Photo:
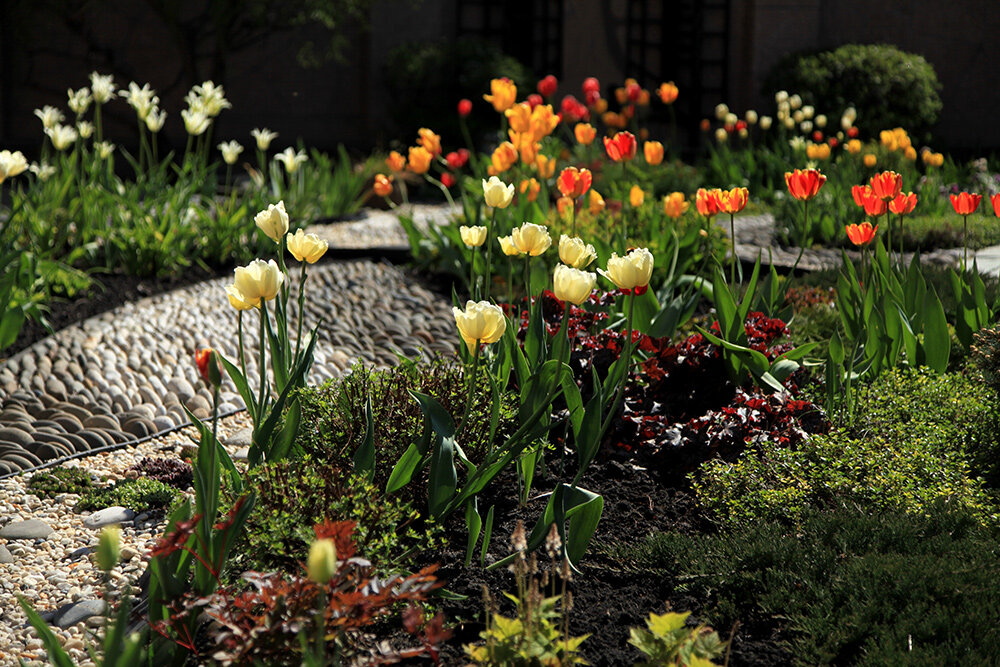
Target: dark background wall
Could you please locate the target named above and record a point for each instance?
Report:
(717, 50)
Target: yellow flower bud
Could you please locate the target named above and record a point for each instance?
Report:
(498, 194)
(573, 285)
(631, 271)
(596, 202)
(306, 247)
(273, 221)
(870, 160)
(653, 151)
(258, 280)
(109, 548)
(531, 239)
(322, 562)
(481, 322)
(574, 252)
(473, 236)
(765, 122)
(636, 196)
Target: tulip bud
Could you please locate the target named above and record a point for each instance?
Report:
(497, 193)
(596, 204)
(820, 121)
(721, 135)
(382, 186)
(720, 111)
(273, 221)
(474, 236)
(573, 285)
(322, 562)
(208, 370)
(395, 161)
(574, 252)
(306, 247)
(781, 96)
(636, 196)
(653, 151)
(547, 86)
(795, 101)
(751, 117)
(109, 548)
(464, 107)
(765, 122)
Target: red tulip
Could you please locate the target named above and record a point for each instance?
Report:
(861, 234)
(887, 185)
(873, 205)
(447, 179)
(547, 86)
(464, 108)
(733, 201)
(534, 100)
(590, 83)
(804, 184)
(817, 136)
(995, 200)
(622, 147)
(965, 203)
(707, 202)
(852, 132)
(903, 204)
(574, 182)
(211, 376)
(592, 97)
(860, 193)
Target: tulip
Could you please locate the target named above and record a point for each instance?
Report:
(196, 122)
(508, 247)
(995, 200)
(42, 171)
(321, 565)
(155, 120)
(448, 179)
(503, 158)
(102, 87)
(531, 239)
(273, 221)
(873, 205)
(966, 203)
(585, 133)
(886, 185)
(574, 182)
(751, 117)
(903, 204)
(566, 208)
(765, 122)
(804, 184)
(497, 193)
(211, 374)
(481, 322)
(622, 147)
(50, 116)
(870, 160)
(545, 166)
(547, 86)
(12, 164)
(596, 204)
(721, 136)
(464, 107)
(383, 185)
(707, 202)
(591, 84)
(674, 205)
(237, 300)
(632, 272)
(456, 159)
(720, 111)
(264, 137)
(109, 548)
(653, 152)
(230, 151)
(62, 136)
(573, 285)
(667, 92)
(504, 93)
(474, 236)
(395, 161)
(817, 151)
(732, 201)
(306, 247)
(258, 280)
(636, 196)
(862, 234)
(574, 252)
(429, 140)
(530, 188)
(420, 160)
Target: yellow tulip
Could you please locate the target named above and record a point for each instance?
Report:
(674, 204)
(497, 193)
(12, 164)
(237, 300)
(504, 93)
(508, 247)
(473, 236)
(574, 252)
(653, 150)
(429, 140)
(596, 202)
(322, 562)
(263, 137)
(585, 133)
(273, 221)
(258, 280)
(854, 146)
(631, 271)
(481, 322)
(572, 285)
(545, 165)
(636, 196)
(420, 159)
(519, 117)
(395, 161)
(870, 160)
(306, 247)
(531, 239)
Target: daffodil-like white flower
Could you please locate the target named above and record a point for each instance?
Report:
(11, 164)
(273, 221)
(62, 136)
(155, 120)
(264, 137)
(291, 159)
(85, 128)
(195, 122)
(102, 87)
(104, 149)
(230, 151)
(143, 100)
(79, 100)
(43, 171)
(207, 98)
(50, 116)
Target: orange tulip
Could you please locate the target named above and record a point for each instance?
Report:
(995, 200)
(429, 140)
(621, 147)
(674, 204)
(860, 193)
(504, 157)
(667, 92)
(596, 202)
(565, 206)
(966, 202)
(653, 151)
(636, 196)
(903, 204)
(383, 186)
(504, 93)
(545, 165)
(395, 161)
(585, 133)
(574, 182)
(732, 201)
(874, 206)
(887, 185)
(861, 234)
(543, 121)
(531, 188)
(804, 184)
(870, 160)
(420, 159)
(519, 117)
(707, 202)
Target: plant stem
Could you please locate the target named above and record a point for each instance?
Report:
(302, 314)
(489, 254)
(262, 372)
(805, 231)
(472, 386)
(527, 285)
(472, 276)
(965, 242)
(732, 239)
(619, 394)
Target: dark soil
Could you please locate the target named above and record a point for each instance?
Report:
(609, 596)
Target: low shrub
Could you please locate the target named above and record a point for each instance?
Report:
(293, 497)
(986, 355)
(138, 495)
(50, 483)
(173, 472)
(849, 587)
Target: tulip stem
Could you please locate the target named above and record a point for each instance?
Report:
(489, 254)
(301, 313)
(473, 292)
(239, 329)
(965, 242)
(620, 392)
(802, 237)
(732, 239)
(901, 242)
(262, 371)
(527, 283)
(468, 395)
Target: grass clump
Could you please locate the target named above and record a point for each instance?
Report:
(848, 587)
(51, 483)
(137, 495)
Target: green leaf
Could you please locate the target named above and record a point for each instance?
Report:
(57, 655)
(443, 478)
(579, 507)
(937, 343)
(487, 534)
(364, 457)
(440, 421)
(474, 524)
(404, 469)
(286, 436)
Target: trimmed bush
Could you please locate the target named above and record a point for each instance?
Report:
(889, 87)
